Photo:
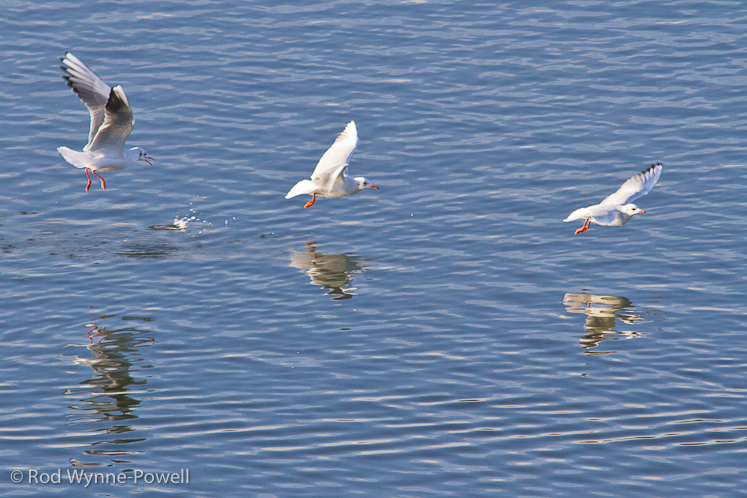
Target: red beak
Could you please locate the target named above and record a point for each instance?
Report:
(642, 211)
(373, 186)
(148, 160)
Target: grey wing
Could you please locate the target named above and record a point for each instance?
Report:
(636, 186)
(607, 217)
(92, 91)
(336, 158)
(118, 122)
(329, 178)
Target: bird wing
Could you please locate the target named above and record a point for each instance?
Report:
(335, 160)
(604, 217)
(117, 125)
(327, 180)
(92, 91)
(636, 186)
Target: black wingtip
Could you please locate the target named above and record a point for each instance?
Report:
(115, 102)
(650, 168)
(67, 76)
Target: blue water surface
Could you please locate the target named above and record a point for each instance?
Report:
(446, 335)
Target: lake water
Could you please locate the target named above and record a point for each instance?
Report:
(446, 335)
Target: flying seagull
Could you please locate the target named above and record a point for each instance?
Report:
(330, 177)
(111, 123)
(616, 209)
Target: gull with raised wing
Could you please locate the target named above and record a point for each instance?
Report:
(616, 209)
(330, 177)
(111, 123)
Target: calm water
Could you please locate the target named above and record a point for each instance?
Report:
(446, 335)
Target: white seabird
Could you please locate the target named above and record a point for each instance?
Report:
(111, 123)
(616, 209)
(330, 177)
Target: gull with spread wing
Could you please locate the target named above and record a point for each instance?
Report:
(616, 209)
(111, 123)
(330, 177)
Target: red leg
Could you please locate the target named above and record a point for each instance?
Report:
(584, 228)
(89, 180)
(103, 183)
(308, 204)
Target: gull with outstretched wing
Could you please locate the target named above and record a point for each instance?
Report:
(616, 210)
(111, 123)
(330, 177)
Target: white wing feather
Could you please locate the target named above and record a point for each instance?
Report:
(637, 186)
(335, 160)
(90, 88)
(118, 123)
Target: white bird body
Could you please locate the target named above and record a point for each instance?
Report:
(616, 210)
(330, 177)
(111, 123)
(101, 162)
(608, 216)
(344, 186)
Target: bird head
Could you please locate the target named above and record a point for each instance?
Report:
(364, 183)
(143, 156)
(632, 209)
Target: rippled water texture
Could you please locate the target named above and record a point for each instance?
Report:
(445, 335)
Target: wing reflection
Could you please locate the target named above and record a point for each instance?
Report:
(602, 313)
(330, 271)
(106, 400)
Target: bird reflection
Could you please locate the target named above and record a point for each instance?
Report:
(106, 400)
(330, 271)
(602, 312)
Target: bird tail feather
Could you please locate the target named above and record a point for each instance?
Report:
(578, 214)
(302, 187)
(77, 159)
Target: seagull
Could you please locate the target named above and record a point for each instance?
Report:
(330, 177)
(616, 209)
(111, 123)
